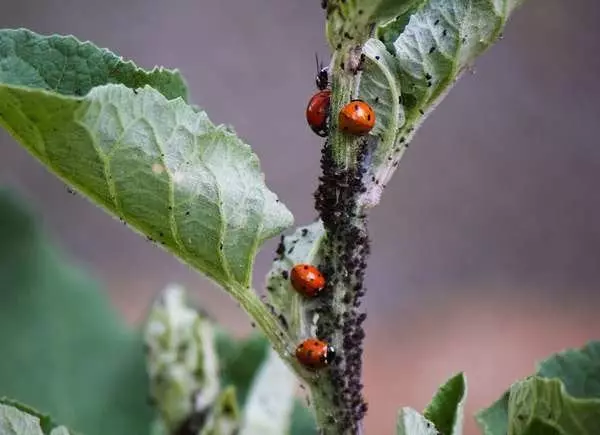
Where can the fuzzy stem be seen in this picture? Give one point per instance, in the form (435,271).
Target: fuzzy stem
(339,403)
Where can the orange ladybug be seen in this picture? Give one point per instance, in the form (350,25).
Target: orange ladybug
(314,353)
(357,117)
(317,112)
(307,280)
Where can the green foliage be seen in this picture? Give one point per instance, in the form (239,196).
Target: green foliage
(65,351)
(446,409)
(444,414)
(18,419)
(158,164)
(415,61)
(564,398)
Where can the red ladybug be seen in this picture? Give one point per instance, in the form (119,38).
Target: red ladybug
(314,353)
(357,118)
(317,112)
(307,280)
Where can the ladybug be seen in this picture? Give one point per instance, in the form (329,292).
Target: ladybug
(322,79)
(357,117)
(307,280)
(314,353)
(317,112)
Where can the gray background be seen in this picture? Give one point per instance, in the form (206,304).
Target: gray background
(486,247)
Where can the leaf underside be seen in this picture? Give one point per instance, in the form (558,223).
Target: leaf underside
(415,61)
(157,163)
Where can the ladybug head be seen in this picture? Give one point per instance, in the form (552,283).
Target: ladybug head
(322,79)
(330,355)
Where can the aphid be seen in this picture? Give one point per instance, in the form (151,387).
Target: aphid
(322,79)
(314,353)
(307,280)
(317,112)
(357,118)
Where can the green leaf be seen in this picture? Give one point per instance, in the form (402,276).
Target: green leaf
(240,361)
(181,359)
(538,403)
(300,247)
(446,409)
(494,419)
(65,350)
(417,60)
(542,406)
(67,66)
(158,164)
(270,402)
(15,415)
(16,419)
(578,369)
(410,422)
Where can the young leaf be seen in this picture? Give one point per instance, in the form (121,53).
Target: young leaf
(156,163)
(300,247)
(410,422)
(269,406)
(419,58)
(181,359)
(446,409)
(542,406)
(17,419)
(65,350)
(352,20)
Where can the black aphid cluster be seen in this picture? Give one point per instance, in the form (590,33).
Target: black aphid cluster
(343,263)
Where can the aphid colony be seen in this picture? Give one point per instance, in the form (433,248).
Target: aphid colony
(356,117)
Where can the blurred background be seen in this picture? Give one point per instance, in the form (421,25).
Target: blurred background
(486,247)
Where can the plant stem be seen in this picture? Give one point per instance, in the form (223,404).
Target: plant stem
(338,398)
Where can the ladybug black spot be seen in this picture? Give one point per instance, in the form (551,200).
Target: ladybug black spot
(356,107)
(305,267)
(369,117)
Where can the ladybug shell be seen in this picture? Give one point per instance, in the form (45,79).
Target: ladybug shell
(314,353)
(307,280)
(357,117)
(317,112)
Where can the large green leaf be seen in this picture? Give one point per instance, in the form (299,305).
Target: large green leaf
(446,409)
(17,419)
(415,62)
(64,349)
(156,163)
(568,402)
